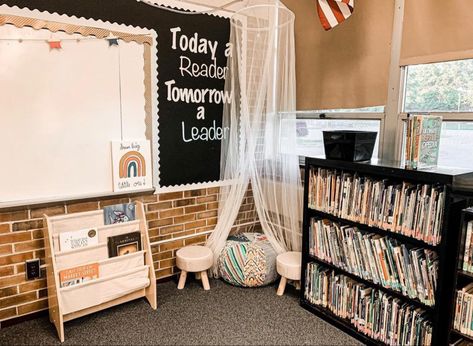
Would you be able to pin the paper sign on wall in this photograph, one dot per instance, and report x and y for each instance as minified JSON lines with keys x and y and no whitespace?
{"x":131,"y":165}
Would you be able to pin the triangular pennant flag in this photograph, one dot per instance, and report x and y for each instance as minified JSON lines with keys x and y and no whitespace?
{"x":54,"y":44}
{"x":112,"y":42}
{"x":333,"y":12}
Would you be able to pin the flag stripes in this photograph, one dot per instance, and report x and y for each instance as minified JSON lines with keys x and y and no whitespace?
{"x":333,"y":12}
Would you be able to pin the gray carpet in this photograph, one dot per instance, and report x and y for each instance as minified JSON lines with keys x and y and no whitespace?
{"x":225,"y":315}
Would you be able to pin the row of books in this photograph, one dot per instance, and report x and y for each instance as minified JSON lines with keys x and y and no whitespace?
{"x":422,"y":141}
{"x":380,"y":259}
{"x":405,"y":208}
{"x":467,"y":263}
{"x":118,"y":245}
{"x":463,"y":321}
{"x":371,"y":311}
{"x":112,"y":214}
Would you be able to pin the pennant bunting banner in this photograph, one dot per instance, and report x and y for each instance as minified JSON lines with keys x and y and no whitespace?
{"x":333,"y":12}
{"x":54,"y":45}
{"x":112,"y":42}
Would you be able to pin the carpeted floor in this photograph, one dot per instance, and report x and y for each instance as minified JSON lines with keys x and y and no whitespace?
{"x":225,"y":315}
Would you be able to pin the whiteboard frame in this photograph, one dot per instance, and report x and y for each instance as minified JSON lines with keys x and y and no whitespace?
{"x":96,"y":23}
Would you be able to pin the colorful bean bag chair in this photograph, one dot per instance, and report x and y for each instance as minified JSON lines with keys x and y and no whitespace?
{"x":248,"y":260}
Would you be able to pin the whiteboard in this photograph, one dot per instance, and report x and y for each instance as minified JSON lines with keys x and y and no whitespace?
{"x":60,"y":110}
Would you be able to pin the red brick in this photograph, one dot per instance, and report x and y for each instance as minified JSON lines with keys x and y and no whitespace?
{"x":80,"y":207}
{"x":159,"y":223}
{"x":170,"y":196}
{"x":14,"y":216}
{"x":32,"y":307}
{"x":212,"y":206}
{"x":171,"y":212}
{"x":195,"y":209}
{"x":17,"y":299}
{"x":30,"y":245}
{"x":8,"y":291}
{"x":195,"y":240}
{"x":184,"y":202}
{"x":38,"y":233}
{"x":207,"y":199}
{"x":113,"y":201}
{"x":12,"y":280}
{"x":146,"y":198}
{"x":167,"y":263}
{"x":160,"y":238}
{"x":171,"y":229}
{"x":6,"y":271}
{"x":15,"y":237}
{"x":212,"y":222}
{"x":5,"y":228}
{"x":163,"y":255}
{"x":207,"y":214}
{"x":51,"y":211}
{"x":5,"y":249}
{"x":213,"y":190}
{"x":159,"y":206}
{"x":32,"y":285}
{"x":17,"y":258}
{"x":171,"y":245}
{"x":184,"y":218}
{"x":27,"y":225}
{"x":163,"y":273}
{"x":195,"y":224}
{"x":7,"y":313}
{"x":194,"y":193}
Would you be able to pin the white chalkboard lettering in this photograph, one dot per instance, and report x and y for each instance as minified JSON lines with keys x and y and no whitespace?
{"x":213,"y":133}
{"x":193,"y":43}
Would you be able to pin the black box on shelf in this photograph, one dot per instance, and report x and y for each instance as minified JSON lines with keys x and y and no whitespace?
{"x":353,"y":146}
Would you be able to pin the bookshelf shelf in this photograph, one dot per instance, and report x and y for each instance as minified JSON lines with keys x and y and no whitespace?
{"x":464,"y":336}
{"x":465,"y":274}
{"x":402,"y":238}
{"x":120,"y":278}
{"x":457,"y":184}
{"x":389,"y":291}
{"x":338,"y":322}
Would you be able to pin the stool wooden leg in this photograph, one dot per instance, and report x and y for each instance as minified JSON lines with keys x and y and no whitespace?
{"x":197,"y":276}
{"x":282,"y":286}
{"x":298,"y":285}
{"x":182,"y":280}
{"x":205,"y":280}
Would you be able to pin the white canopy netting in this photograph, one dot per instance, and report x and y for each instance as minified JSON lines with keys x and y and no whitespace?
{"x":262,"y":135}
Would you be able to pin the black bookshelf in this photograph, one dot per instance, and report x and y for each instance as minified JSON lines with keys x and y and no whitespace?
{"x":389,"y":291}
{"x":458,"y":183}
{"x":401,"y":237}
{"x":462,"y":278}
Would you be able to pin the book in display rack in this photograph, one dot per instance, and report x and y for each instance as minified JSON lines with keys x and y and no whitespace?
{"x":379,"y":248}
{"x":100,"y":265}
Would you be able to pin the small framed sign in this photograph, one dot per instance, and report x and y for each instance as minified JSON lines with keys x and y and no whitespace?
{"x":131,"y":162}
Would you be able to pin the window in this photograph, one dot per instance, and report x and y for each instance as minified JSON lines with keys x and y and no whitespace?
{"x":446,"y":89}
{"x":439,"y":87}
{"x":310,"y":137}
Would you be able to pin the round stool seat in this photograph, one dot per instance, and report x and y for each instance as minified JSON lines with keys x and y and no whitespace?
{"x":289,"y":265}
{"x":194,"y":258}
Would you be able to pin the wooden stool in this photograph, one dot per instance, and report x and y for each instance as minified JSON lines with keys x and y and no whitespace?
{"x":194,"y":259}
{"x":288,"y":265}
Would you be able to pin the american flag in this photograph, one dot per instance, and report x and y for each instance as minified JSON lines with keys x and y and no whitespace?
{"x":333,"y":12}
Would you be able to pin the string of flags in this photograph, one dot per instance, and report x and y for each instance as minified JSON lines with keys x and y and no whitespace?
{"x":56,"y":44}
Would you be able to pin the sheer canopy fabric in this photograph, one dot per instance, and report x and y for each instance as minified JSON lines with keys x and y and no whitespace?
{"x":261,"y":118}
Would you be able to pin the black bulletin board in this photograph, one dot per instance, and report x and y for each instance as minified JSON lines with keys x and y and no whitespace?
{"x":188,"y":124}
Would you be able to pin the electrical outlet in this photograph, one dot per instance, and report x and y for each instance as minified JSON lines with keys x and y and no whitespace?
{"x":33,"y":270}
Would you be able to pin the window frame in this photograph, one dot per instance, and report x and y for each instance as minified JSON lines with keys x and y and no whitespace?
{"x":402,"y":114}
{"x":316,"y":115}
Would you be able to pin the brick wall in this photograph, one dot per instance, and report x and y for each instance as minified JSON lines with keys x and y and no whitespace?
{"x":170,"y":215}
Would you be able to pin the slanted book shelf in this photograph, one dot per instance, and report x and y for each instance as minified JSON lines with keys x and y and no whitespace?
{"x":121,"y":279}
{"x":337,"y":282}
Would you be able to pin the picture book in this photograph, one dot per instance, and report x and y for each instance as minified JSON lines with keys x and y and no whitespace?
{"x":78,"y":239}
{"x":124,"y":244}
{"x":77,"y":275}
{"x":119,"y":213}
